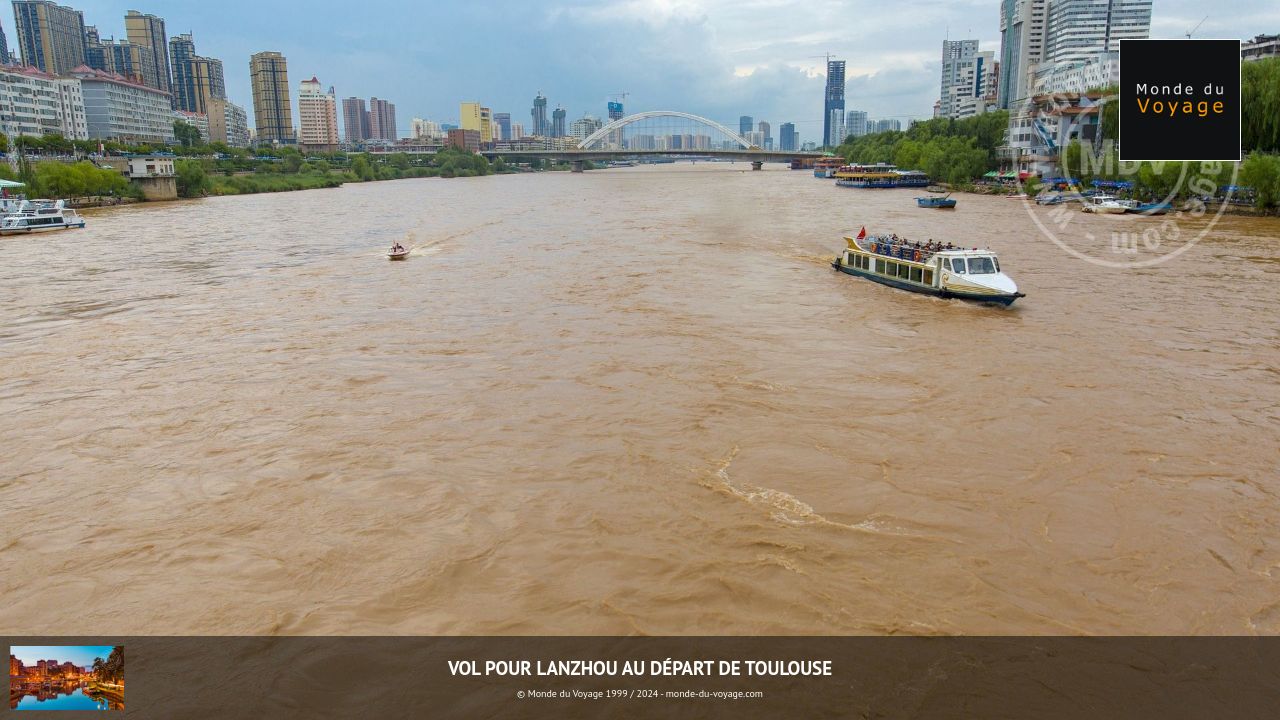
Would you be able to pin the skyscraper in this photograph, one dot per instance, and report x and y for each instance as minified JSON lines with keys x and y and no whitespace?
{"x":1022,"y":26}
{"x":272,"y":111}
{"x":382,"y":120}
{"x":787,"y":137}
{"x":317,"y":117}
{"x":4,"y":47}
{"x":148,"y":31}
{"x":469,"y":116}
{"x":745,"y":125}
{"x":502,"y":121}
{"x":1079,"y":30}
{"x":558,"y":122}
{"x":966,"y":76}
{"x":765,"y":131}
{"x":539,"y":113}
{"x":855,"y":123}
{"x":355,"y":120}
{"x":136,"y":62}
{"x":181,"y":49}
{"x":833,"y":105}
{"x":50,"y":36}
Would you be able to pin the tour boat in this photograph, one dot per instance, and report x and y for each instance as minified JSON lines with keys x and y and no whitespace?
{"x":952,"y":273}
{"x":879,"y":175}
{"x":40,"y":216}
{"x":398,"y":253}
{"x":826,"y":167}
{"x":944,"y":203}
{"x":1108,"y":205}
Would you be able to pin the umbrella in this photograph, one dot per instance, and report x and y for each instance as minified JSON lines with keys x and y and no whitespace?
{"x":10,"y":183}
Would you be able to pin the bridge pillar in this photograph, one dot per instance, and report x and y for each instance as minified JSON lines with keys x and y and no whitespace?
{"x":757,"y":164}
{"x":579,"y":166}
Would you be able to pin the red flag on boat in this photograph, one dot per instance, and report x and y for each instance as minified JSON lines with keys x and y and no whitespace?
{"x":863,"y":232}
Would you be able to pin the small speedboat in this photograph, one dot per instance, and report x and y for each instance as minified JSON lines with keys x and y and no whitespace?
{"x":1108,"y":205}
{"x":943,"y":203}
{"x":1159,"y":208}
{"x":398,"y":252}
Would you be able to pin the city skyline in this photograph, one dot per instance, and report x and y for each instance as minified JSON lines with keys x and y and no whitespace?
{"x":728,"y":59}
{"x":78,"y":655}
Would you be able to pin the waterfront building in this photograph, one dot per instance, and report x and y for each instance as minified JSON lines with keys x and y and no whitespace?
{"x":1022,"y":36}
{"x":788,"y":139}
{"x":148,"y":31}
{"x":1262,"y":46}
{"x":382,"y":120}
{"x":541,"y":127}
{"x":1100,"y":71}
{"x":469,"y":116}
{"x":558,"y":122}
{"x":464,"y":139}
{"x":317,"y":117}
{"x":228,"y":123}
{"x":486,"y":125}
{"x":833,"y":103}
{"x":355,"y":120}
{"x":117,"y":108}
{"x":766,"y":132}
{"x":37,"y":103}
{"x":1043,"y":125}
{"x":1078,"y":30}
{"x":181,"y":49}
{"x":207,"y":82}
{"x":272,"y":109}
{"x":50,"y":36}
{"x":582,"y":128}
{"x":967,"y":75}
{"x":153,"y":174}
{"x":15,"y":666}
{"x":136,"y":62}
{"x":199,"y":121}
{"x":746,"y":124}
{"x":501,"y":126}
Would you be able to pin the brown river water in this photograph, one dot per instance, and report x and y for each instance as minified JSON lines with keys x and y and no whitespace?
{"x":631,"y":401}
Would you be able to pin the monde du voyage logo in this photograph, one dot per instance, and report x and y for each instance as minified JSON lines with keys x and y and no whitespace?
{"x":1180,"y":100}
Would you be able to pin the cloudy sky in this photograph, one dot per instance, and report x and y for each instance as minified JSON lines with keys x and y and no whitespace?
{"x":717,"y":58}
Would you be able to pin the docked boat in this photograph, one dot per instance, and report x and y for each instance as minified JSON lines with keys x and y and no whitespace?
{"x":1050,"y":200}
{"x":826,"y":167}
{"x":1161,"y":208}
{"x":398,"y":252}
{"x":944,"y":203}
{"x":950,"y":273}
{"x":1108,"y":205}
{"x":40,"y":216}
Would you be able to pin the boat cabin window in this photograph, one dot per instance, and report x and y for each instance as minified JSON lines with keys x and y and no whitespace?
{"x":880,"y":266}
{"x":903,"y":270}
{"x":915,"y":274}
{"x":957,"y":265}
{"x":981,"y":266}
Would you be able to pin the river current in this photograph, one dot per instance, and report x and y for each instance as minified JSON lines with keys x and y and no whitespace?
{"x":628,"y":401}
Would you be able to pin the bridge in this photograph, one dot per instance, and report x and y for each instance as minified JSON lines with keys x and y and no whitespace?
{"x":660,"y":133}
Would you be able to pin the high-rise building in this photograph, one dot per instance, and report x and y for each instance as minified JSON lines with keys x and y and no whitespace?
{"x":355,"y":120}
{"x":4,"y":49}
{"x":1022,"y":35}
{"x":766,"y":132}
{"x":967,"y":74}
{"x":1079,"y":30}
{"x":121,"y":110}
{"x":469,"y":116}
{"x":382,"y":120}
{"x":136,"y":62}
{"x":425,"y":130}
{"x":558,"y":122}
{"x":272,"y":110}
{"x":517,"y":131}
{"x":502,"y":126}
{"x":36,"y":103}
{"x":582,"y":128}
{"x":50,"y":36}
{"x":486,"y":125}
{"x":886,"y":125}
{"x":833,"y":103}
{"x":317,"y":117}
{"x":787,"y":137}
{"x":855,"y":123}
{"x":541,"y":128}
{"x":228,"y":123}
{"x":1259,"y":48}
{"x":148,"y":31}
{"x":746,"y":124}
{"x":181,"y":49}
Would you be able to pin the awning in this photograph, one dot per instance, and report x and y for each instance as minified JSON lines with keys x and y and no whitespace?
{"x":993,"y":173}
{"x":1011,"y":175}
{"x":10,"y":183}
{"x":1024,"y":175}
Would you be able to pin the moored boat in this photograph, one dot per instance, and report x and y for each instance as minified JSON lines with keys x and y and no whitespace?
{"x":1159,"y":208}
{"x":943,"y":203}
{"x":40,"y":216}
{"x":945,"y":272}
{"x":1107,"y":205}
{"x":826,"y":167}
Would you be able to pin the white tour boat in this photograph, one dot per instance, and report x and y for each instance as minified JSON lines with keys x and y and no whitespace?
{"x":1108,"y":205}
{"x":40,"y":216}
{"x":949,"y":273}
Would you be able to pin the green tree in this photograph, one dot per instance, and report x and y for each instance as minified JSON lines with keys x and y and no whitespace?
{"x":192,"y":179}
{"x":1260,"y":98}
{"x":362,"y":169}
{"x":187,"y":135}
{"x":1262,"y":173}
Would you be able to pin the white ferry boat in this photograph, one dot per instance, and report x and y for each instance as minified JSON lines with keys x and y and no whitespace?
{"x":40,"y":216}
{"x":949,"y":273}
{"x":1108,"y":205}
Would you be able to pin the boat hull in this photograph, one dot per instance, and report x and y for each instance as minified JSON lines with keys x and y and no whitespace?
{"x":1001,"y":299}
{"x":936,"y":203}
{"x":397,"y":256}
{"x":41,"y":228}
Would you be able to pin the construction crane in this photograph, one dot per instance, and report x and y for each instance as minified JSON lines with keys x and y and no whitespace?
{"x":1197,"y":27}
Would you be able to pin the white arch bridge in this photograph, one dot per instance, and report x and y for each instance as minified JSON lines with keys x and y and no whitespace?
{"x":607,"y":143}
